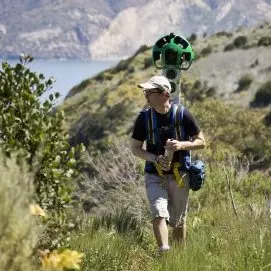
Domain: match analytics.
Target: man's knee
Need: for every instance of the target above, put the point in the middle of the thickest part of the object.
(177, 223)
(158, 220)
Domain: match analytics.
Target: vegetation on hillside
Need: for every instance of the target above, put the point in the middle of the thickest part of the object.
(229, 221)
(108, 103)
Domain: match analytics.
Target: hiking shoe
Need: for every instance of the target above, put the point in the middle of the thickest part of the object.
(163, 249)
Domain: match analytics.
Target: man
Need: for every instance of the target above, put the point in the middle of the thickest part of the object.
(168, 200)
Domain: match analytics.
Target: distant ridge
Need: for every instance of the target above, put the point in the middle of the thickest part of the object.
(103, 29)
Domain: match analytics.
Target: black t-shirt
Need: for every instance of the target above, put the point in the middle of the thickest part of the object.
(189, 123)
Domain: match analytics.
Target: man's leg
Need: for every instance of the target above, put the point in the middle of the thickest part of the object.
(160, 230)
(179, 233)
(158, 199)
(178, 205)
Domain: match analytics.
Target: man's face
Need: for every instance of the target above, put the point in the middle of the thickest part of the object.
(156, 96)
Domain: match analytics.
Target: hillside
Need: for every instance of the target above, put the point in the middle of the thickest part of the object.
(114, 29)
(114, 92)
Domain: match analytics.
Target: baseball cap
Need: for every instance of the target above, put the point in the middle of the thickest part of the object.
(157, 81)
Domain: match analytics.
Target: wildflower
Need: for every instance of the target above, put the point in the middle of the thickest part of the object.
(71, 259)
(59, 261)
(52, 261)
(35, 209)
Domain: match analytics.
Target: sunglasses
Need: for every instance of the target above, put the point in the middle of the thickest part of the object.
(148, 92)
(151, 91)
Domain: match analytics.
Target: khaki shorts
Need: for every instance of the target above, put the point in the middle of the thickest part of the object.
(166, 198)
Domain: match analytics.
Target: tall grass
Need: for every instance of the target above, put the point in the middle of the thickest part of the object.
(18, 229)
(217, 240)
(113, 243)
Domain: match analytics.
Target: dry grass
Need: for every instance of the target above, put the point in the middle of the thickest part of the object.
(114, 180)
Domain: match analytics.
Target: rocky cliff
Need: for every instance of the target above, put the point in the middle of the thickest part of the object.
(114, 29)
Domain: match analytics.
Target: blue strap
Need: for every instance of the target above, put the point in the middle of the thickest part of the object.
(146, 114)
(173, 119)
(181, 123)
(151, 126)
(154, 127)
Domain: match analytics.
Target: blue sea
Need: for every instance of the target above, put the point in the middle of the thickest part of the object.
(67, 73)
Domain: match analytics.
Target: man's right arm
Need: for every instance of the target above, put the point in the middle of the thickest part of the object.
(137, 150)
(138, 137)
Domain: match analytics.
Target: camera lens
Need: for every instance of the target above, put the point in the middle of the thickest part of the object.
(171, 74)
(171, 57)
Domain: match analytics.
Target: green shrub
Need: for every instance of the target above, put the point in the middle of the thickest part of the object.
(197, 84)
(224, 33)
(206, 51)
(19, 230)
(229, 47)
(264, 41)
(198, 91)
(131, 69)
(36, 130)
(192, 38)
(99, 77)
(244, 82)
(267, 119)
(147, 62)
(248, 137)
(122, 66)
(240, 41)
(263, 96)
(105, 75)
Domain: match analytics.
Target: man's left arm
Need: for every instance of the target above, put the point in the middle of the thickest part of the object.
(198, 142)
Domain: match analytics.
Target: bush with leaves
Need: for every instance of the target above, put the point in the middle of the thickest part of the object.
(263, 96)
(229, 47)
(240, 41)
(206, 50)
(244, 82)
(264, 41)
(231, 129)
(35, 130)
(267, 119)
(147, 62)
(197, 91)
(192, 38)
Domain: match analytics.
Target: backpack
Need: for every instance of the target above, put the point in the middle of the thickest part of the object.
(196, 169)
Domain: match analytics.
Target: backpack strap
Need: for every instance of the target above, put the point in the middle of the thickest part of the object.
(151, 126)
(173, 120)
(178, 123)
